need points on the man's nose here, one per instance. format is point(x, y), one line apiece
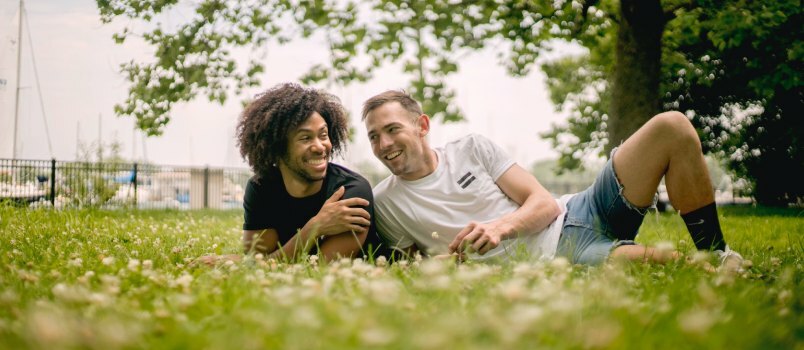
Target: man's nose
point(318, 145)
point(385, 141)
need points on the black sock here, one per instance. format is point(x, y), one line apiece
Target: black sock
point(704, 228)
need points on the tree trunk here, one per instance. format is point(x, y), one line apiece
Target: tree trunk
point(637, 66)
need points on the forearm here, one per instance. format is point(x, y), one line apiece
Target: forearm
point(535, 214)
point(346, 245)
point(296, 246)
point(266, 242)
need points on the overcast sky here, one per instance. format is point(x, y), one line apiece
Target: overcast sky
point(78, 66)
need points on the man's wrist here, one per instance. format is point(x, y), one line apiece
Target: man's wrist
point(311, 231)
point(505, 229)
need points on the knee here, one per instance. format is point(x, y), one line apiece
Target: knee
point(676, 125)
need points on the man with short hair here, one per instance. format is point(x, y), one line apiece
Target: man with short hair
point(298, 202)
point(470, 197)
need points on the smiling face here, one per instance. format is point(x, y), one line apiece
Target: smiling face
point(308, 152)
point(397, 139)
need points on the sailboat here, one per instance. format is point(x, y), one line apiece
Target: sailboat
point(13, 186)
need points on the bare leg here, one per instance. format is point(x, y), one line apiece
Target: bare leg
point(667, 145)
point(644, 254)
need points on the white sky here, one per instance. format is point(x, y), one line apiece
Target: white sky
point(78, 65)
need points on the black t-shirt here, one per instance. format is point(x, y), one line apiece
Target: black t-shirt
point(267, 203)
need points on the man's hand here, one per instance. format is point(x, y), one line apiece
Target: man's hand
point(478, 237)
point(337, 216)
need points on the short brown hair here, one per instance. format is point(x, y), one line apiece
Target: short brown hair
point(407, 102)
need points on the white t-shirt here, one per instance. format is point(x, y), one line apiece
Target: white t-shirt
point(462, 189)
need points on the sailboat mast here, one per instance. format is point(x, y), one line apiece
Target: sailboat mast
point(17, 97)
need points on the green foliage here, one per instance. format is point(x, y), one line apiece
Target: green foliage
point(733, 66)
point(716, 54)
point(737, 65)
point(124, 280)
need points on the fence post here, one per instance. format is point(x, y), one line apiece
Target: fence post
point(134, 180)
point(206, 187)
point(53, 182)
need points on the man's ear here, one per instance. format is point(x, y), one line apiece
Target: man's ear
point(424, 124)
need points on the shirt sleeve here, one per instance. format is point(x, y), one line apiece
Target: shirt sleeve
point(389, 228)
point(255, 210)
point(493, 158)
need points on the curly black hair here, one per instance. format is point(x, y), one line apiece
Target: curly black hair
point(264, 126)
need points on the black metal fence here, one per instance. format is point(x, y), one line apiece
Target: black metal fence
point(118, 185)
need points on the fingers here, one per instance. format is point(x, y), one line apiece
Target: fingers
point(358, 212)
point(474, 237)
point(359, 220)
point(354, 202)
point(456, 243)
point(336, 195)
point(478, 243)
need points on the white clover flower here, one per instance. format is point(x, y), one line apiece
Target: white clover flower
point(434, 235)
point(433, 267)
point(313, 259)
point(147, 264)
point(377, 337)
point(76, 262)
point(133, 264)
point(183, 281)
point(560, 263)
point(664, 247)
point(697, 321)
point(108, 260)
point(381, 261)
point(383, 291)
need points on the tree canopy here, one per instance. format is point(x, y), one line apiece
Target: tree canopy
point(734, 66)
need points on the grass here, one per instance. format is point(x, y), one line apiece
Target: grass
point(122, 279)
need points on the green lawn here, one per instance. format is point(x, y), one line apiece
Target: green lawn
point(120, 279)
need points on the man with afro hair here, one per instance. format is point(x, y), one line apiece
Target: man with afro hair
point(298, 202)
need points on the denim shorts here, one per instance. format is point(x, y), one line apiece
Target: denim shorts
point(598, 220)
